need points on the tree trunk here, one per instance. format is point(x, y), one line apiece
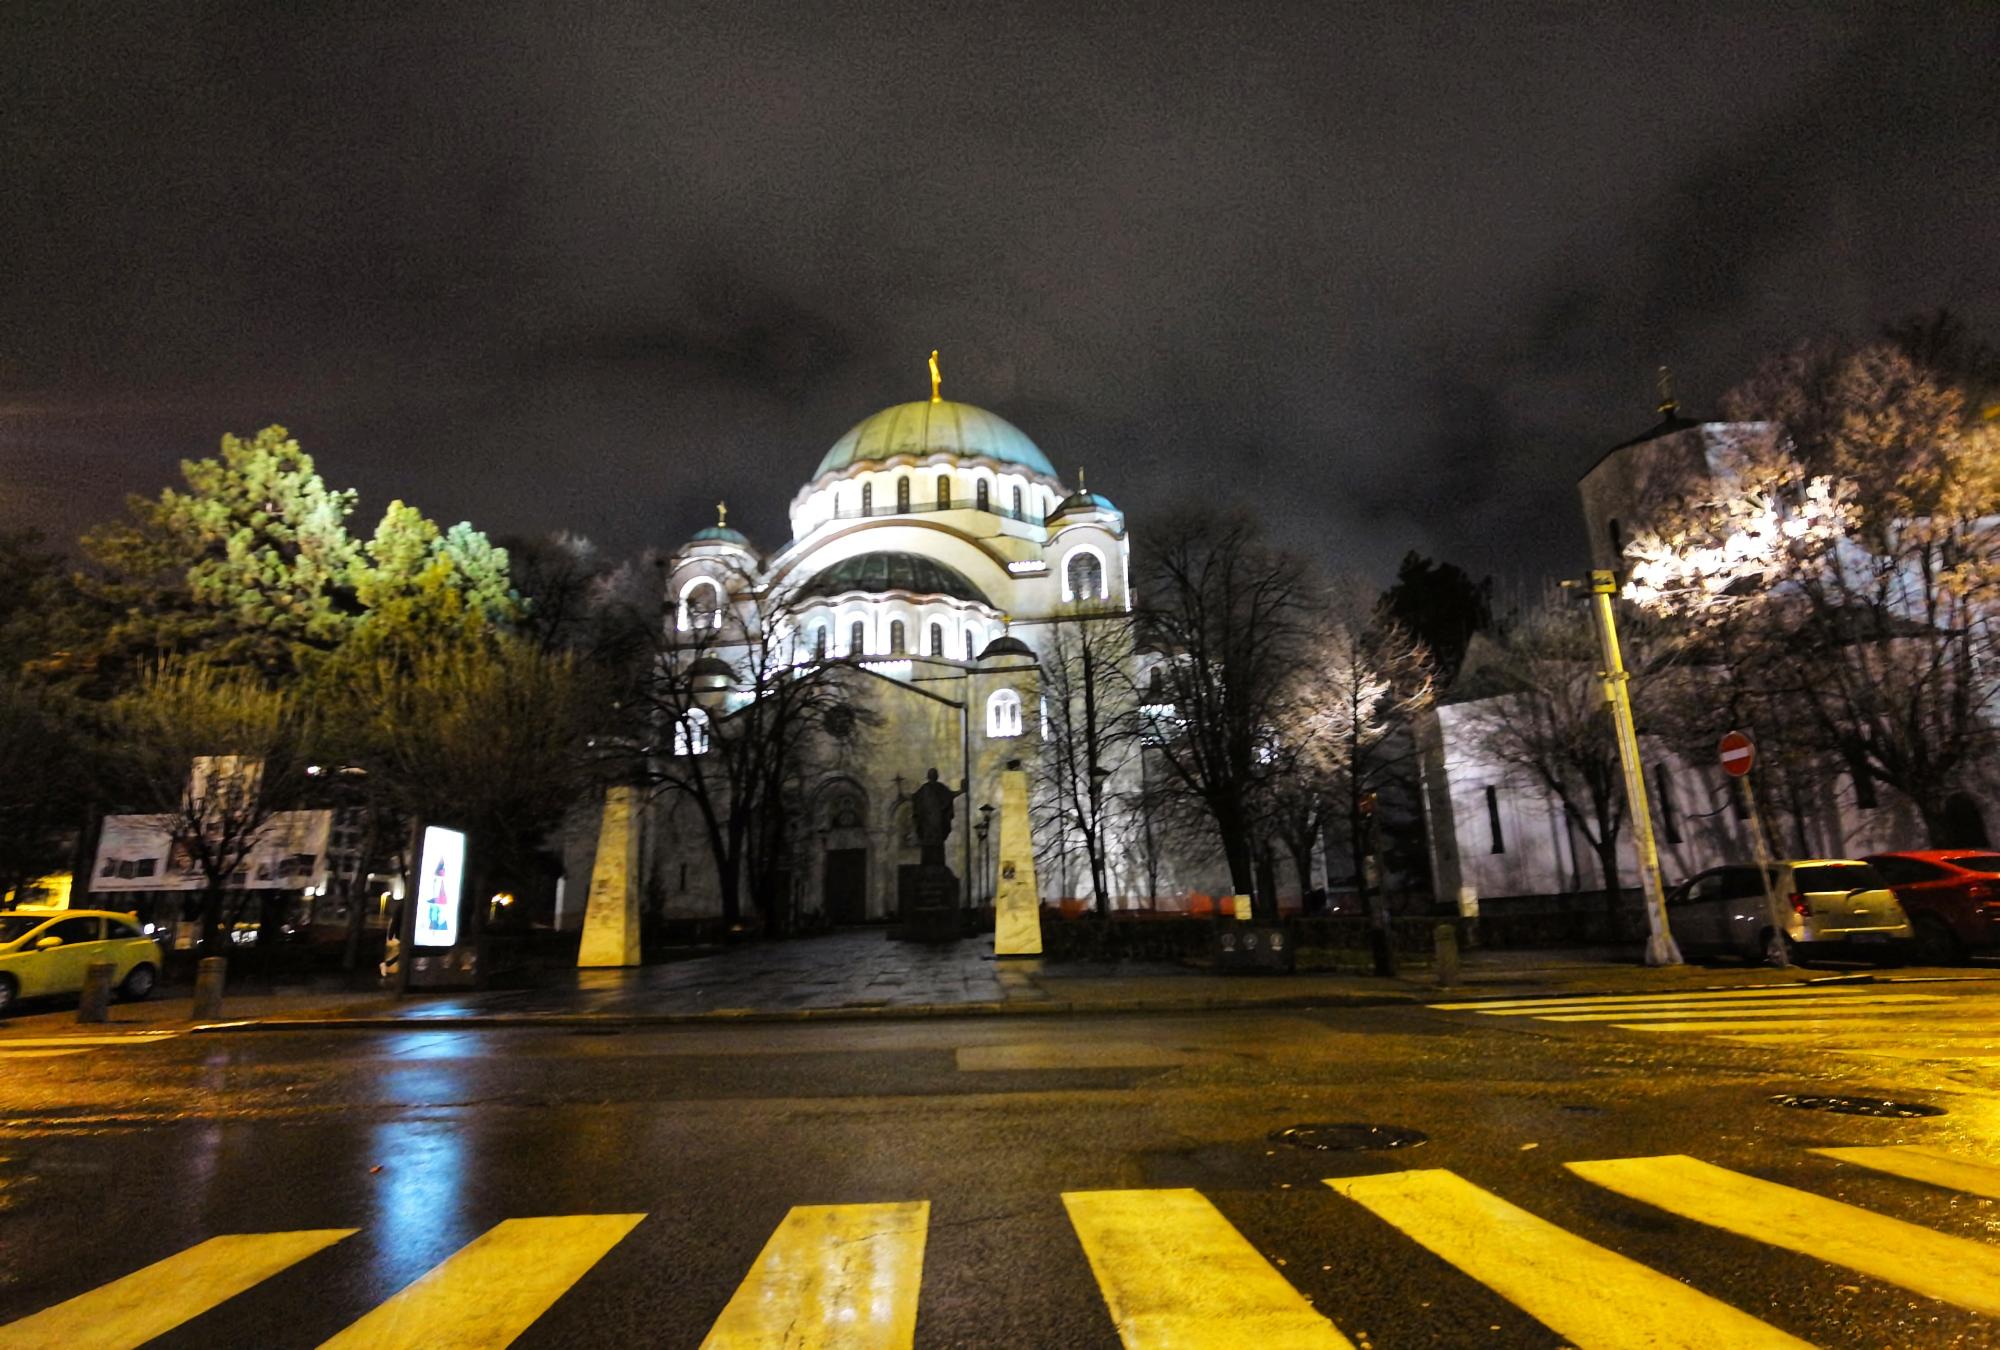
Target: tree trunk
point(1607, 862)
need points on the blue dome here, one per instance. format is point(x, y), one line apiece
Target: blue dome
point(1084, 501)
point(721, 534)
point(922, 429)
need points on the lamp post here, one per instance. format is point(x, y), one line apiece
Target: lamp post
point(1660, 947)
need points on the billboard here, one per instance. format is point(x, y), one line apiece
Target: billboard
point(440, 881)
point(138, 853)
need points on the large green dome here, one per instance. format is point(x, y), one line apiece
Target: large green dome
point(875, 573)
point(935, 427)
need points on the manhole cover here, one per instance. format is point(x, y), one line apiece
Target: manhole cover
point(1349, 1138)
point(1858, 1106)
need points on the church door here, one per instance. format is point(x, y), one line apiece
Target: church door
point(846, 885)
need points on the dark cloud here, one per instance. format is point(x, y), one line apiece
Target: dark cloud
point(1391, 275)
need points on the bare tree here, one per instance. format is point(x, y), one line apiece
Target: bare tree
point(1846, 566)
point(730, 713)
point(1235, 617)
point(214, 754)
point(1090, 737)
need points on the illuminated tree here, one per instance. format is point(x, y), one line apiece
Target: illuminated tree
point(1091, 731)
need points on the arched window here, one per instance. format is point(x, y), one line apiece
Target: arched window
point(937, 639)
point(895, 637)
point(902, 492)
point(819, 641)
point(982, 493)
point(701, 604)
point(971, 643)
point(1017, 501)
point(944, 492)
point(857, 638)
point(691, 733)
point(1003, 713)
point(867, 499)
point(1083, 575)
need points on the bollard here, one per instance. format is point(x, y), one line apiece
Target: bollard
point(95, 1006)
point(1446, 940)
point(208, 977)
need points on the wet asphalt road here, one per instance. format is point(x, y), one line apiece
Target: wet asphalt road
point(117, 1157)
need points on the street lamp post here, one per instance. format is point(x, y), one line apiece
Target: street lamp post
point(1660, 947)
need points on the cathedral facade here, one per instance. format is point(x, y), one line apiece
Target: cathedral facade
point(935, 549)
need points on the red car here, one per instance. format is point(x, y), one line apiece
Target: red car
point(1952, 896)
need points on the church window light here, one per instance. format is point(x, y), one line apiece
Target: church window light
point(1003, 713)
point(902, 492)
point(895, 637)
point(867, 499)
point(937, 639)
point(1017, 501)
point(1083, 575)
point(983, 495)
point(701, 604)
point(857, 638)
point(971, 643)
point(691, 733)
point(944, 492)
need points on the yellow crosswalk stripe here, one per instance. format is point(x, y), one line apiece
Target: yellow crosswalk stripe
point(1933, 1166)
point(1931, 1263)
point(1591, 1296)
point(37, 1054)
point(492, 1289)
point(1743, 999)
point(1692, 995)
point(1852, 1007)
point(1176, 1275)
point(831, 1275)
point(128, 1038)
point(153, 1301)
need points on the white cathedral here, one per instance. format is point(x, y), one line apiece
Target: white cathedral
point(936, 545)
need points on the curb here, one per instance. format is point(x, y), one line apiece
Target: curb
point(758, 1016)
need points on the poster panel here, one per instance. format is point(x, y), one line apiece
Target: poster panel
point(138, 853)
point(440, 881)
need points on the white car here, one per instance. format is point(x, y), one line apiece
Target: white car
point(1822, 906)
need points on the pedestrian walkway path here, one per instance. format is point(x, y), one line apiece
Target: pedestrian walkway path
point(1173, 1272)
point(52, 1047)
point(1892, 1020)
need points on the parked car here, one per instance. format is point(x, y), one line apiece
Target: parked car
point(1952, 895)
point(1825, 905)
point(45, 951)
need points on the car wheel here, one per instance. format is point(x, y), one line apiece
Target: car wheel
point(1779, 949)
point(1937, 945)
point(9, 990)
point(139, 983)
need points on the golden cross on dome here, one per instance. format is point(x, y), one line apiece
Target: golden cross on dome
point(722, 515)
point(1080, 485)
point(936, 379)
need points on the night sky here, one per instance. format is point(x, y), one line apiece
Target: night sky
point(1392, 277)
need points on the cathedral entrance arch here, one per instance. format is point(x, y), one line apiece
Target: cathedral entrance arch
point(843, 834)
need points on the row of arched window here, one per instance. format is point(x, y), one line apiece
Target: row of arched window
point(1003, 720)
point(945, 496)
point(898, 644)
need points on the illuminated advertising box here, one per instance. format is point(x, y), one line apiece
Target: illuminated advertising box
point(440, 882)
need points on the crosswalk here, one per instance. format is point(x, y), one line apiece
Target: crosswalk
point(55, 1047)
point(1173, 1272)
point(1908, 1021)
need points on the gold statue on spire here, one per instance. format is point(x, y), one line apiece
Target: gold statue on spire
point(1669, 405)
point(722, 515)
point(936, 379)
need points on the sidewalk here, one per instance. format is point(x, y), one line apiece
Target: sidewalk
point(860, 975)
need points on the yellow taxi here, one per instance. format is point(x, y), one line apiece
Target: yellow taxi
point(45, 951)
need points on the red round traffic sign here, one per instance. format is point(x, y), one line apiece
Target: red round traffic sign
point(1737, 754)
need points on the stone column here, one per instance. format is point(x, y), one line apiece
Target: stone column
point(611, 914)
point(1017, 905)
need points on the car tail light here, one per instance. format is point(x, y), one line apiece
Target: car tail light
point(1799, 904)
point(1981, 893)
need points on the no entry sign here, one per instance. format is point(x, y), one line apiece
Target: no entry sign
point(1737, 754)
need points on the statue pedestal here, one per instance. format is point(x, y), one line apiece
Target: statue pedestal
point(927, 903)
point(1017, 904)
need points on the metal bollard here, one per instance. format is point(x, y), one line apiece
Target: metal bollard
point(95, 1006)
point(208, 976)
point(1445, 938)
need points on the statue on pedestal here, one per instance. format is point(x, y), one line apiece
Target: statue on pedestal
point(931, 812)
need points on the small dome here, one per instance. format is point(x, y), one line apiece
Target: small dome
point(721, 534)
point(711, 667)
point(927, 428)
point(1007, 645)
point(1084, 501)
point(876, 573)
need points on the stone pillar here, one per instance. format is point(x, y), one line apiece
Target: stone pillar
point(611, 914)
point(1017, 905)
